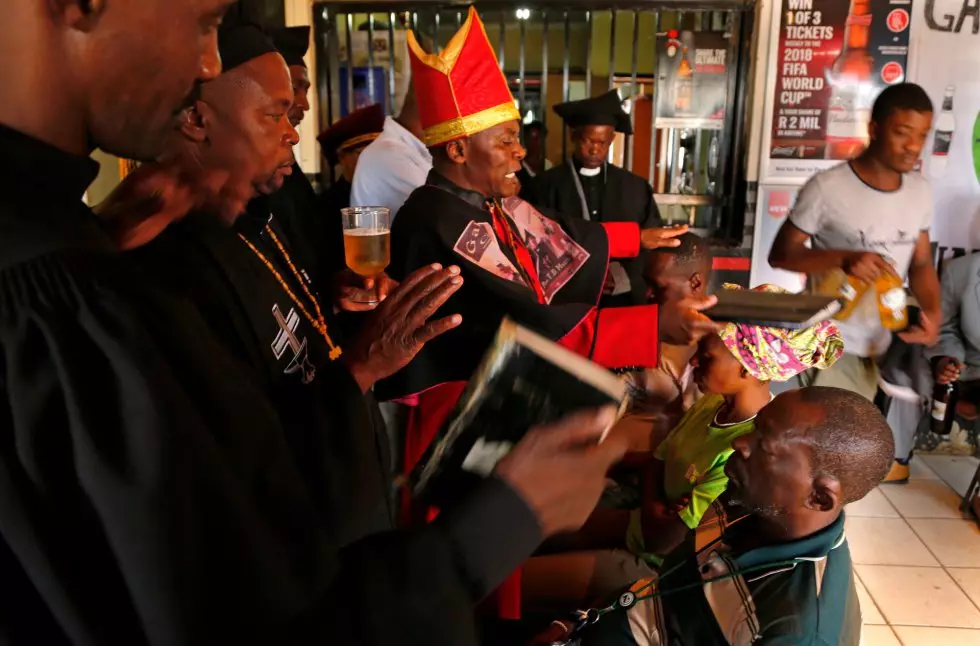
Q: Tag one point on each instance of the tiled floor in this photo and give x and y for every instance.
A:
(917, 558)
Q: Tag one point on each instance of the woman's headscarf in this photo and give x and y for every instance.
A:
(776, 354)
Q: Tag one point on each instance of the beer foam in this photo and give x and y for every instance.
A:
(366, 231)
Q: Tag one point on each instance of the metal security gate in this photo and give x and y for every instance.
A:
(552, 52)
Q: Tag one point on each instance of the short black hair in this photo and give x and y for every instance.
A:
(693, 250)
(901, 96)
(852, 444)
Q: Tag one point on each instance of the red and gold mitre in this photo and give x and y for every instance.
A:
(461, 90)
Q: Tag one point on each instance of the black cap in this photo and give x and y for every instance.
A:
(603, 110)
(357, 129)
(292, 43)
(241, 38)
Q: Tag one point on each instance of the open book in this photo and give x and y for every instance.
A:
(524, 380)
(772, 309)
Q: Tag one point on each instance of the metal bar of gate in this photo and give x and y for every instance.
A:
(612, 50)
(415, 24)
(323, 62)
(503, 36)
(348, 26)
(588, 53)
(391, 63)
(522, 94)
(435, 32)
(565, 83)
(370, 49)
(696, 167)
(544, 77)
(459, 20)
(633, 63)
(654, 90)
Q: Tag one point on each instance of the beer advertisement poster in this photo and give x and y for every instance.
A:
(775, 203)
(831, 59)
(693, 77)
(945, 60)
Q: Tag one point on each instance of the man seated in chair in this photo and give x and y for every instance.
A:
(780, 572)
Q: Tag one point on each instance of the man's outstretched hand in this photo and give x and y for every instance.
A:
(395, 332)
(681, 322)
(662, 237)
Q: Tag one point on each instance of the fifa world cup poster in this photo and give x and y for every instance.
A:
(945, 60)
(831, 59)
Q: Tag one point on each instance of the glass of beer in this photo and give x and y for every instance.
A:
(367, 234)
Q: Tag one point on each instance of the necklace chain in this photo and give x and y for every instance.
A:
(319, 323)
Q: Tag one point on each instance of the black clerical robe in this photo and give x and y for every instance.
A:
(336, 432)
(615, 195)
(307, 220)
(148, 493)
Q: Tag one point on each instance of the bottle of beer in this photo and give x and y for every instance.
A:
(943, 408)
(847, 289)
(892, 301)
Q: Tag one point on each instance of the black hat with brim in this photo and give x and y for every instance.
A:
(603, 110)
(292, 43)
(356, 130)
(241, 39)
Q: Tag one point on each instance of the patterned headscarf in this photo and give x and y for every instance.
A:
(776, 354)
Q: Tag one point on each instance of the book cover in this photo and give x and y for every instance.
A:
(524, 380)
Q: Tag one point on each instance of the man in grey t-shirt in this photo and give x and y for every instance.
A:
(871, 216)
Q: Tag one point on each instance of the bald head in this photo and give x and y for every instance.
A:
(852, 443)
(105, 74)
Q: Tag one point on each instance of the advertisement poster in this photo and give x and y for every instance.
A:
(774, 205)
(692, 72)
(945, 61)
(832, 58)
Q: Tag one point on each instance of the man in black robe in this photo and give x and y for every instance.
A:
(589, 187)
(149, 494)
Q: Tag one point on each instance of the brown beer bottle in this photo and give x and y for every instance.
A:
(847, 289)
(892, 301)
(943, 409)
(849, 109)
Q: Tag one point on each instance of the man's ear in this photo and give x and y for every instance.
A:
(456, 151)
(696, 282)
(825, 494)
(194, 122)
(82, 15)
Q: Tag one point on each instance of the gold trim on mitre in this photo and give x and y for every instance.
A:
(359, 139)
(470, 125)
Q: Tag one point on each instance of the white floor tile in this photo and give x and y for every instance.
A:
(874, 505)
(924, 499)
(919, 636)
(870, 615)
(918, 596)
(885, 541)
(878, 636)
(956, 471)
(956, 543)
(969, 580)
(919, 470)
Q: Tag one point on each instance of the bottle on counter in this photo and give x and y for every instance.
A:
(847, 289)
(943, 408)
(892, 301)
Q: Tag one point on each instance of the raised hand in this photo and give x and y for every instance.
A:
(395, 332)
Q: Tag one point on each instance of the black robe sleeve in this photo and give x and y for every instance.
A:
(147, 495)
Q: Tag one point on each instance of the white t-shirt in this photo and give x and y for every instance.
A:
(390, 168)
(839, 211)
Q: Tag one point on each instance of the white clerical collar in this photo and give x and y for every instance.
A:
(589, 172)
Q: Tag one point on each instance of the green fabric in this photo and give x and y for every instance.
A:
(694, 456)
